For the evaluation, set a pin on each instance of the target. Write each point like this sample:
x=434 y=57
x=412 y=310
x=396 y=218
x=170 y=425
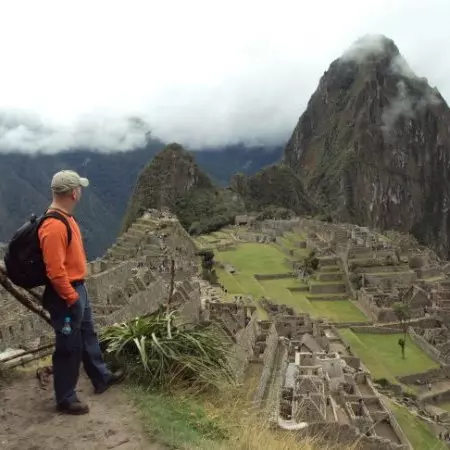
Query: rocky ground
x=28 y=420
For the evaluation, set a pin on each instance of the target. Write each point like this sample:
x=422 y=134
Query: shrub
x=158 y=352
x=275 y=212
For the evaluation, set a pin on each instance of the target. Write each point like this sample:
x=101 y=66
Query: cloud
x=25 y=132
x=401 y=67
x=365 y=46
x=407 y=105
x=401 y=105
x=202 y=73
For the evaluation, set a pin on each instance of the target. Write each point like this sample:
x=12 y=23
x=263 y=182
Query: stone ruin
x=320 y=387
x=379 y=271
x=132 y=278
x=244 y=219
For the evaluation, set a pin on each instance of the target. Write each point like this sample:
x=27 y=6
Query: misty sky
x=199 y=72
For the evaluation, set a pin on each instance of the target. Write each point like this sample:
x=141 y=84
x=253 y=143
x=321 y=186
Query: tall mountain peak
x=373 y=145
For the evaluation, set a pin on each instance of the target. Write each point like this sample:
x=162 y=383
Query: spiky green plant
x=159 y=352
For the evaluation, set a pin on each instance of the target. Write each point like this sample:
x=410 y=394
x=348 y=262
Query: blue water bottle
x=67 y=328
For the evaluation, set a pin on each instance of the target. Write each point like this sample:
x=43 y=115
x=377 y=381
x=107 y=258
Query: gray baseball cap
x=66 y=180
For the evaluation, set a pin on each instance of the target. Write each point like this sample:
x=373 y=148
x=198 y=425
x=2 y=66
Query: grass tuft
x=159 y=352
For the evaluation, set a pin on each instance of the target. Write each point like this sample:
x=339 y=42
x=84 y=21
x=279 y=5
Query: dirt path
x=28 y=420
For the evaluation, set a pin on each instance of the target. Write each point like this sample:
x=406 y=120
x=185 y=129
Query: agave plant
x=158 y=352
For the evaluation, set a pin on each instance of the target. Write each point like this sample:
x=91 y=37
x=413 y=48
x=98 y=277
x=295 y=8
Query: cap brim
x=84 y=182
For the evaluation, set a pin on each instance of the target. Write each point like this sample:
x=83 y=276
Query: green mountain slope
x=173 y=180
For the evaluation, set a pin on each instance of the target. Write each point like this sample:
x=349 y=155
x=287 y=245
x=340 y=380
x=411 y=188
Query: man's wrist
x=72 y=301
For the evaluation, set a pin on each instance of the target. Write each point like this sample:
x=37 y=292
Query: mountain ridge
x=26 y=179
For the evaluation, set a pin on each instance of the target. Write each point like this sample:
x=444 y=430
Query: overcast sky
x=199 y=72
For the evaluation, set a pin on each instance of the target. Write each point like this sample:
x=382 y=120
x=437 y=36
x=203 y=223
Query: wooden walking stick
x=29 y=299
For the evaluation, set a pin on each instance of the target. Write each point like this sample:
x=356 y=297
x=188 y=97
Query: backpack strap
x=56 y=215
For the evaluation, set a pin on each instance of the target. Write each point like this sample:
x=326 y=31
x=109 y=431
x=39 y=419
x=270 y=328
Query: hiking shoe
x=116 y=377
x=75 y=408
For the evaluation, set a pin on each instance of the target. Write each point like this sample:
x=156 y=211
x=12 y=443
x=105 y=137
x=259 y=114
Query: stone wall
x=432 y=375
x=337 y=288
x=395 y=425
x=191 y=304
x=274 y=396
x=348 y=435
x=27 y=330
x=260 y=238
x=431 y=351
x=242 y=350
x=143 y=302
x=99 y=284
x=348 y=324
x=401 y=278
x=343 y=267
x=376 y=330
x=268 y=359
x=428 y=322
x=273 y=276
x=281 y=225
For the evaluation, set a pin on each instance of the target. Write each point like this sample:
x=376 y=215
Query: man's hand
x=76 y=313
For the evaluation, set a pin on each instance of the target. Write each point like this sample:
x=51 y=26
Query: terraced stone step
x=401 y=268
x=119 y=250
x=140 y=226
x=118 y=253
x=327 y=288
x=149 y=222
x=329 y=276
x=325 y=261
x=129 y=242
x=151 y=250
x=443 y=294
x=128 y=235
x=136 y=232
x=408 y=275
x=330 y=297
x=328 y=269
x=304 y=288
x=133 y=242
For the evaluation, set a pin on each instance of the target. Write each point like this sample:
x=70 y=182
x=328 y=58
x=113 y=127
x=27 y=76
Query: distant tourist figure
x=360 y=409
x=66 y=299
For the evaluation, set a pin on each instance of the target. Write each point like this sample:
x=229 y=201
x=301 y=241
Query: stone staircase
x=329 y=280
x=138 y=240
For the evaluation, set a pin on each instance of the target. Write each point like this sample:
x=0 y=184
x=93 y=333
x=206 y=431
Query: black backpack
x=23 y=259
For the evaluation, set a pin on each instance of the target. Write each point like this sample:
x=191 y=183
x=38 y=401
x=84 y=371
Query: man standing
x=66 y=299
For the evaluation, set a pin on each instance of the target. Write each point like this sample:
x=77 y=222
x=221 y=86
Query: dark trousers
x=80 y=346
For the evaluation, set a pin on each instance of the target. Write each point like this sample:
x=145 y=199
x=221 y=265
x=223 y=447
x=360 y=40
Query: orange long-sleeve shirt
x=64 y=264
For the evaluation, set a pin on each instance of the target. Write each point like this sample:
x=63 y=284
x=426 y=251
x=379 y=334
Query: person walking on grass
x=66 y=298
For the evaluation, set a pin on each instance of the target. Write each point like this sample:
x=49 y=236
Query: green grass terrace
x=263 y=259
x=417 y=431
x=382 y=354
